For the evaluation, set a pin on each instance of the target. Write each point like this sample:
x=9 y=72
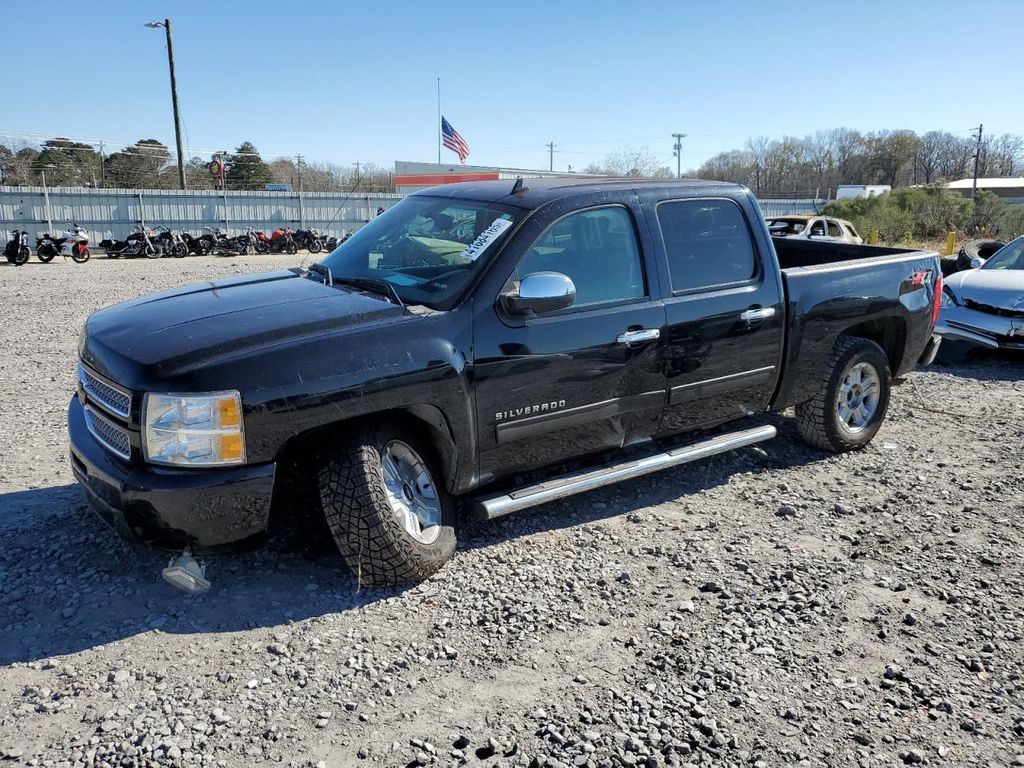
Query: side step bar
x=490 y=507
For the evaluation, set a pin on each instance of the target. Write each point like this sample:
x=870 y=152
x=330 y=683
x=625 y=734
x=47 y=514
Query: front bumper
x=206 y=509
x=981 y=328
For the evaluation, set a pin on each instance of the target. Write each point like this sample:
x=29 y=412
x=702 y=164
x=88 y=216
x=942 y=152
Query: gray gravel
x=770 y=607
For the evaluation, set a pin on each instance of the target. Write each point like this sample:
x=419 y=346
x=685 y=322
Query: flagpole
x=439 y=121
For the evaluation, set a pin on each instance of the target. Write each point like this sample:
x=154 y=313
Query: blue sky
x=344 y=81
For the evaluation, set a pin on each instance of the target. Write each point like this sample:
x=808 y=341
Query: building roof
x=540 y=191
x=1006 y=182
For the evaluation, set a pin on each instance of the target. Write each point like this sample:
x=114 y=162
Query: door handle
x=752 y=315
x=632 y=337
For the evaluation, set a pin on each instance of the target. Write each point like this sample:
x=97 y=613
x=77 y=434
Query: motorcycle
x=47 y=246
x=17 y=250
x=171 y=243
x=142 y=242
x=75 y=244
x=309 y=239
x=283 y=241
x=214 y=240
x=196 y=245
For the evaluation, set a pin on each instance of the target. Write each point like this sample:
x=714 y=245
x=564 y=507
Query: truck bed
x=795 y=253
x=831 y=288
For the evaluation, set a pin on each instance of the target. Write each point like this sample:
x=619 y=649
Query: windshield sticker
x=485 y=238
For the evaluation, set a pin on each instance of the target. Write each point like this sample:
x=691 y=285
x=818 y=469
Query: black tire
x=312 y=245
x=977 y=249
x=153 y=251
x=818 y=419
x=370 y=536
x=949 y=265
x=954 y=354
x=81 y=255
x=290 y=248
x=22 y=257
x=46 y=254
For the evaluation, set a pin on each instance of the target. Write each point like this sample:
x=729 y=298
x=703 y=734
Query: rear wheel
x=46 y=253
x=852 y=399
x=392 y=522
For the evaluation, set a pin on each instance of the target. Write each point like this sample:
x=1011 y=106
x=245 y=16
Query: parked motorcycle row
x=157 y=242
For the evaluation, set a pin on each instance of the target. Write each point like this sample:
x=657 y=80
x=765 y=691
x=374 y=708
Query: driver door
x=559 y=384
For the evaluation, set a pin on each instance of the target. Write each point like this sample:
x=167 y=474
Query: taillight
x=937 y=301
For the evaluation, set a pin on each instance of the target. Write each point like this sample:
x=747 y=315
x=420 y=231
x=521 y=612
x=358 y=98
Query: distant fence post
x=142 y=212
x=302 y=212
x=224 y=193
x=950 y=243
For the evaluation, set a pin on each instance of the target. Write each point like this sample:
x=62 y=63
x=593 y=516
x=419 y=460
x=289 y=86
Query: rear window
x=707 y=243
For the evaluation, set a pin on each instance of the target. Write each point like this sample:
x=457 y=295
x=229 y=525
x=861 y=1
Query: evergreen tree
x=246 y=169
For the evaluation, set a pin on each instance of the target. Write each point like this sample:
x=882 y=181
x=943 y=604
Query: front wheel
x=153 y=252
x=852 y=400
x=392 y=522
x=179 y=250
x=313 y=245
x=22 y=257
x=80 y=255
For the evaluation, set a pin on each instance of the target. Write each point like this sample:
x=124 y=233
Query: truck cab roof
x=537 y=192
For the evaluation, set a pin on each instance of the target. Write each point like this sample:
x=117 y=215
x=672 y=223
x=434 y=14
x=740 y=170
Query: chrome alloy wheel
x=857 y=399
x=411 y=491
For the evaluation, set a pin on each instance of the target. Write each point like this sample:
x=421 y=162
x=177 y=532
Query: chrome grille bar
x=109 y=434
x=108 y=397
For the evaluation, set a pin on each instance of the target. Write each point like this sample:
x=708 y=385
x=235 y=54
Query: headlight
x=948 y=299
x=193 y=430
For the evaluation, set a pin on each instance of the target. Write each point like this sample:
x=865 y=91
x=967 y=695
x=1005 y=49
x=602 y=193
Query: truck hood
x=1001 y=288
x=187 y=326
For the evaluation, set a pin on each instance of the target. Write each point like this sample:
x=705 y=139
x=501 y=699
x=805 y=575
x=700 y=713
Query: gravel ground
x=768 y=607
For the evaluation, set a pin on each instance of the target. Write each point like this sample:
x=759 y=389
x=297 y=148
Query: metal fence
x=776 y=207
x=115 y=212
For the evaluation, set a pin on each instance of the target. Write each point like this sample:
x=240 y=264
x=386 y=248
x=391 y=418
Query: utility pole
x=102 y=174
x=977 y=156
x=678 y=152
x=166 y=24
x=551 y=155
x=302 y=209
x=298 y=168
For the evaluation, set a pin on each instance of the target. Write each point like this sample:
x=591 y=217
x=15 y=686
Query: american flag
x=454 y=142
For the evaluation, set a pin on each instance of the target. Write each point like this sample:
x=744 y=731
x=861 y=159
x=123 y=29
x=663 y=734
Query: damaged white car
x=985 y=305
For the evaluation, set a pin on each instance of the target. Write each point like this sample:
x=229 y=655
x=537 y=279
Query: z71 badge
x=529 y=410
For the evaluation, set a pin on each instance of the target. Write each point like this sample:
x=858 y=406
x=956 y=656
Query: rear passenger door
x=725 y=317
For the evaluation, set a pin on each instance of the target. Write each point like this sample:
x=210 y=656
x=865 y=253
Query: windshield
x=786 y=226
x=428 y=248
x=1010 y=256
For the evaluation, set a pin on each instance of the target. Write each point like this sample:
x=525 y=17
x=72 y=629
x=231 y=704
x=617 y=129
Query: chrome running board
x=490 y=507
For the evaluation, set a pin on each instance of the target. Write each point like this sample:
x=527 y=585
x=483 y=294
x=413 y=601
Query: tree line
x=149 y=164
x=817 y=164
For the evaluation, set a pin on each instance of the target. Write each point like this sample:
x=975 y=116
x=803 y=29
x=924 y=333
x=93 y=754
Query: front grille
x=110 y=398
x=110 y=436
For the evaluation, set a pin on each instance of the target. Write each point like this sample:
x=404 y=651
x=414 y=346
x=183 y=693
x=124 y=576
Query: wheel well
x=294 y=457
x=890 y=333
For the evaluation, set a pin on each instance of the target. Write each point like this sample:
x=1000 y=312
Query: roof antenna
x=518 y=188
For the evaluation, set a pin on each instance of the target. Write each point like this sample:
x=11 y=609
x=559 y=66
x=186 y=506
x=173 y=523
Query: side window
x=817 y=229
x=834 y=230
x=598 y=251
x=707 y=243
x=850 y=228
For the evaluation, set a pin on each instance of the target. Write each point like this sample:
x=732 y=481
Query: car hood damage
x=1002 y=289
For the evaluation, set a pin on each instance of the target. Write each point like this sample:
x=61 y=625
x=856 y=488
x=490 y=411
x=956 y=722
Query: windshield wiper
x=374 y=285
x=324 y=272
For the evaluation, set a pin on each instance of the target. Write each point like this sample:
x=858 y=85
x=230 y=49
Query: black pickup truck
x=476 y=334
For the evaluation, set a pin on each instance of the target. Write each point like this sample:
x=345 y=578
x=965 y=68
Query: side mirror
x=976 y=262
x=540 y=292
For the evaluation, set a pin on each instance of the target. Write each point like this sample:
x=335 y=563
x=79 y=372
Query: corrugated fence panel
x=116 y=212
